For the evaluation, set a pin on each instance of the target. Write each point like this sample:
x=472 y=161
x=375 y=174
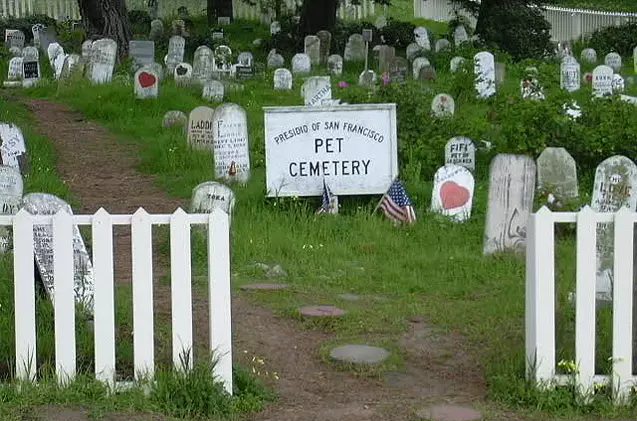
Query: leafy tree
x=107 y=18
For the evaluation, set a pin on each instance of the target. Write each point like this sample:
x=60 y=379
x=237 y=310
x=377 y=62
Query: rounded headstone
x=359 y=354
x=264 y=287
x=322 y=311
x=449 y=412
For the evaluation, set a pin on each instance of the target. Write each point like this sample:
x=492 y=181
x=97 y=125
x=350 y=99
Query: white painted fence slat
x=24 y=296
x=104 y=302
x=63 y=297
x=143 y=335
x=219 y=295
x=623 y=305
x=181 y=290
x=585 y=299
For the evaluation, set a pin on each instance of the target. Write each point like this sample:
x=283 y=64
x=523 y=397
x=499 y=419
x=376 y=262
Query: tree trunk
x=317 y=15
x=108 y=19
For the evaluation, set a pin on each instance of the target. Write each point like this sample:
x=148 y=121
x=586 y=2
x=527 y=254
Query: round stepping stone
x=349 y=297
x=264 y=287
x=359 y=354
x=449 y=413
x=322 y=311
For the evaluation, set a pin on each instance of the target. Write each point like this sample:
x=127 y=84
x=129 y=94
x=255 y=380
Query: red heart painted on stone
x=453 y=196
x=146 y=80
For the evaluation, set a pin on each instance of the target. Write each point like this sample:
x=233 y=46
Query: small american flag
x=330 y=202
x=397 y=205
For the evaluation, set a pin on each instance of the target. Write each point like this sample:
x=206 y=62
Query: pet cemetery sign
x=351 y=147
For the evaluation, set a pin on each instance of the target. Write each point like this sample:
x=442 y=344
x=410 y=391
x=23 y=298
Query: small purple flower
x=342 y=84
x=386 y=79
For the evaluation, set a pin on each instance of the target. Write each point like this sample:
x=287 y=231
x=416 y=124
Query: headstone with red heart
x=443 y=105
x=231 y=144
x=453 y=192
x=200 y=128
x=183 y=74
x=461 y=151
x=146 y=84
x=511 y=192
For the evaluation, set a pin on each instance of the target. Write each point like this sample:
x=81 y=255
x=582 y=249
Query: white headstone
x=176 y=48
x=442 y=45
x=275 y=28
x=103 y=55
x=602 y=81
x=413 y=50
x=570 y=77
x=48 y=204
x=315 y=89
x=30 y=67
x=200 y=130
x=335 y=64
x=87 y=46
x=213 y=91
x=282 y=80
x=557 y=175
x=618 y=83
x=142 y=52
x=211 y=195
x=457 y=63
x=419 y=63
x=453 y=192
x=11 y=188
x=13 y=149
x=301 y=63
x=146 y=84
x=183 y=74
x=72 y=64
x=15 y=68
x=223 y=59
x=203 y=64
x=275 y=61
x=614 y=61
x=325 y=37
x=367 y=78
x=58 y=64
x=421 y=37
x=245 y=58
x=14 y=38
x=355 y=48
x=460 y=35
x=511 y=192
x=443 y=105
x=231 y=145
x=589 y=55
x=313 y=49
x=484 y=69
x=461 y=151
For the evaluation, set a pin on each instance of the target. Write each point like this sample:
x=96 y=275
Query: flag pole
x=383 y=196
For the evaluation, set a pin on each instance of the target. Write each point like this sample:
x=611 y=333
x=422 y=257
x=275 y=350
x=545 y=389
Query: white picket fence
x=566 y=24
x=142 y=283
x=540 y=300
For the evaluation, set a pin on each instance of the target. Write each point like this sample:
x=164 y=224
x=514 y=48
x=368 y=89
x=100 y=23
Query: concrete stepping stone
x=349 y=297
x=359 y=354
x=322 y=311
x=449 y=412
x=264 y=287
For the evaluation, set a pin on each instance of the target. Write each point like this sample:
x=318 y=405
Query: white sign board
x=352 y=147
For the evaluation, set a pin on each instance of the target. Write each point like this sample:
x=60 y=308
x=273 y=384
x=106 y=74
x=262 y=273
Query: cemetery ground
x=452 y=319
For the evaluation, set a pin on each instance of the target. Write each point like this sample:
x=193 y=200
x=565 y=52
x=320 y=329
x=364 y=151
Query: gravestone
x=615 y=179
x=223 y=59
x=442 y=45
x=570 y=78
x=156 y=68
x=87 y=46
x=53 y=51
x=11 y=188
x=367 y=79
x=312 y=46
x=14 y=38
x=15 y=68
x=36 y=30
x=418 y=64
x=399 y=69
x=13 y=149
x=203 y=64
x=453 y=192
x=58 y=64
x=103 y=56
x=176 y=48
x=175 y=118
x=179 y=28
x=421 y=38
x=511 y=191
x=275 y=27
x=231 y=146
x=386 y=54
x=275 y=61
x=355 y=48
x=200 y=128
x=460 y=35
x=245 y=58
x=30 y=67
x=614 y=61
x=48 y=204
x=602 y=81
x=73 y=64
x=282 y=80
x=617 y=83
x=301 y=63
x=413 y=50
x=325 y=38
x=142 y=52
x=443 y=105
x=213 y=91
x=484 y=69
x=208 y=196
x=557 y=175
x=335 y=64
x=15 y=52
x=156 y=29
x=223 y=20
x=461 y=151
x=146 y=84
x=427 y=73
x=500 y=73
x=457 y=63
x=183 y=74
x=589 y=55
x=316 y=89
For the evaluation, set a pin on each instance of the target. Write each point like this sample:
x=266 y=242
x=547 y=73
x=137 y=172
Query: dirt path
x=101 y=172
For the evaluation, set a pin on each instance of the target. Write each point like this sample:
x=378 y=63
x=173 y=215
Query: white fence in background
x=540 y=300
x=566 y=24
x=142 y=282
x=346 y=10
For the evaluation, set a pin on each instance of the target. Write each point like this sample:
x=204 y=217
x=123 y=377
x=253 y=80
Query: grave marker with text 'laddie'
x=208 y=196
x=200 y=128
x=312 y=46
x=335 y=64
x=316 y=89
x=570 y=77
x=103 y=55
x=355 y=48
x=484 y=69
x=142 y=52
x=282 y=80
x=614 y=61
x=461 y=151
x=11 y=188
x=146 y=84
x=213 y=91
x=443 y=105
x=231 y=144
x=557 y=175
x=13 y=149
x=325 y=38
x=48 y=204
x=202 y=64
x=511 y=192
x=453 y=192
x=301 y=63
x=615 y=181
x=602 y=81
x=176 y=48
